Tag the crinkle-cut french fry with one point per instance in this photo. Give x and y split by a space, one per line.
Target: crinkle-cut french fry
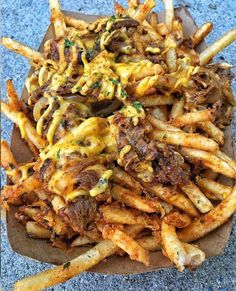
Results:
209 160
21 49
217 46
172 246
192 118
169 13
160 113
133 200
36 231
218 190
156 100
118 215
177 219
197 197
122 178
76 23
81 241
211 220
149 243
8 162
177 108
212 131
27 129
190 140
74 267
201 33
143 10
57 18
159 124
173 197
126 243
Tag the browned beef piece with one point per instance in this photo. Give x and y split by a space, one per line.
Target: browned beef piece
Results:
170 168
46 170
87 179
54 51
126 22
79 213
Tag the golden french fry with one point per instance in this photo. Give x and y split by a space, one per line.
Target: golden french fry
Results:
212 130
190 140
221 155
177 108
217 46
133 3
156 100
143 10
126 243
36 231
171 59
217 189
210 221
197 197
192 118
81 241
12 96
177 219
159 124
74 267
21 49
209 160
122 178
154 20
76 23
201 33
118 215
160 113
57 18
26 128
149 243
169 13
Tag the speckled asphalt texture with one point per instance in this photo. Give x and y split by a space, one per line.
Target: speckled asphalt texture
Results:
27 21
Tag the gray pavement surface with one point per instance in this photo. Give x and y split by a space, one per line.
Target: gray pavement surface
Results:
27 21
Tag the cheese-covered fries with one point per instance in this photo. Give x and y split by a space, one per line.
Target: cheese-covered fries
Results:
125 120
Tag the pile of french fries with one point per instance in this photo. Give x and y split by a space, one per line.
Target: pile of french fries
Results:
92 88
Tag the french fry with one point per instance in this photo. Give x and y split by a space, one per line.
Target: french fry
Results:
221 155
149 243
195 256
173 197
143 10
173 248
23 50
177 219
177 108
211 220
76 23
162 29
197 197
133 200
36 231
169 13
217 46
171 60
25 125
115 214
201 33
217 189
154 20
190 140
122 178
212 130
81 241
74 267
159 124
192 118
133 3
210 160
156 100
12 96
126 243
57 18
160 113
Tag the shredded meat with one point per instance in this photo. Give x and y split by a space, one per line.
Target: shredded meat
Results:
79 213
128 22
87 179
170 167
46 170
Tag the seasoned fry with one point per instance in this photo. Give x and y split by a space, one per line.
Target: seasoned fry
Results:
177 219
192 118
210 161
149 243
14 101
217 189
21 49
197 197
160 113
81 241
143 10
210 221
76 23
36 231
155 100
57 18
177 108
159 124
169 16
190 140
201 33
217 46
213 131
